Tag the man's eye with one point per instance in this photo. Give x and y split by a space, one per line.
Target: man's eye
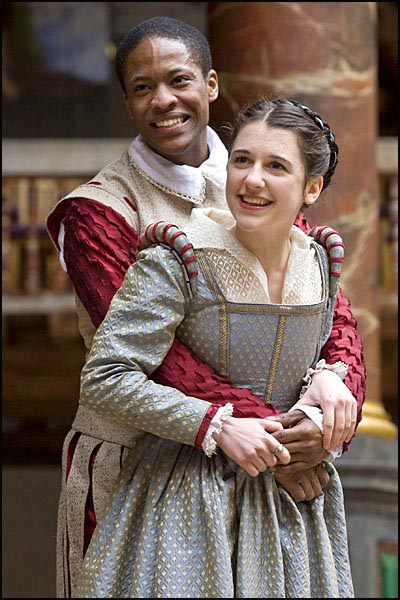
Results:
180 80
141 87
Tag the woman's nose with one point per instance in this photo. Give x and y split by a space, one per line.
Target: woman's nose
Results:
255 177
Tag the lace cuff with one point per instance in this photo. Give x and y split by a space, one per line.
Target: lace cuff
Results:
339 367
209 445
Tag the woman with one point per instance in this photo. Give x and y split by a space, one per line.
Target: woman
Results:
197 511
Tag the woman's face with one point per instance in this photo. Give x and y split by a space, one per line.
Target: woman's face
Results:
266 183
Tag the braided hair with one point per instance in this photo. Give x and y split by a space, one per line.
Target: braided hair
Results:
317 141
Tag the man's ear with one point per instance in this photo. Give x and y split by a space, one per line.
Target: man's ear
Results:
212 85
313 190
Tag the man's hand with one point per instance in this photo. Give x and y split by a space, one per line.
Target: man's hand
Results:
302 438
306 484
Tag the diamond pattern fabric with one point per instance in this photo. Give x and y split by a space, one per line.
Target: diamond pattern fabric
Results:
180 524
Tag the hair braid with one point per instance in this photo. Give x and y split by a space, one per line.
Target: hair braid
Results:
329 136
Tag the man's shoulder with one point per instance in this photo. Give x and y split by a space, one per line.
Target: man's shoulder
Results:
111 169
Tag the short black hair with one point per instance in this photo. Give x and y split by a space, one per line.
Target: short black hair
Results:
164 27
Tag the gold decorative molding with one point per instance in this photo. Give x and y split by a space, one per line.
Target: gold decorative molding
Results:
376 421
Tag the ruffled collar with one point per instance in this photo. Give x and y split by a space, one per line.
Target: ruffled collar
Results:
182 179
210 228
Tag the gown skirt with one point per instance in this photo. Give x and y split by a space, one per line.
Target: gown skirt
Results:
182 525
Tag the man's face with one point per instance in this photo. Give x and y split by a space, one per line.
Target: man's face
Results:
168 99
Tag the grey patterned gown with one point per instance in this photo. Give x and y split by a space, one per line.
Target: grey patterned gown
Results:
180 524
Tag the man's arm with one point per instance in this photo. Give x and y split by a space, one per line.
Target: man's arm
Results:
344 344
99 246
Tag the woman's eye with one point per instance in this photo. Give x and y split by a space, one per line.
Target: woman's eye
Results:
241 160
276 165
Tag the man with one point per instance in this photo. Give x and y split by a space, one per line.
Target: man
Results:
175 163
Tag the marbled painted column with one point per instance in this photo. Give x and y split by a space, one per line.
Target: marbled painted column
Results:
323 54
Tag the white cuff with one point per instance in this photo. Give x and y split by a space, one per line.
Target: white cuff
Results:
209 445
315 414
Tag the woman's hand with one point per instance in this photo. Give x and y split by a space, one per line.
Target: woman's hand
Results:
249 443
306 484
338 405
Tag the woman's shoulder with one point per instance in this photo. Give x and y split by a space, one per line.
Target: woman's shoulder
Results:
166 242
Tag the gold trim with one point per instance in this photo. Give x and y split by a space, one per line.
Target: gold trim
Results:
275 358
289 309
376 421
223 314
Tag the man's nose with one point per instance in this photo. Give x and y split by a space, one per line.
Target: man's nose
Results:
163 97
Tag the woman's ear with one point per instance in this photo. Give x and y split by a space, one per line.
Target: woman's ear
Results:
313 190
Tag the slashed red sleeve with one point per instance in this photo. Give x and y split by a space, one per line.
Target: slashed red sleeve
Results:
183 371
99 246
344 343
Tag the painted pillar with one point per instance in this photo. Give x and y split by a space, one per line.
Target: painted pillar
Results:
324 54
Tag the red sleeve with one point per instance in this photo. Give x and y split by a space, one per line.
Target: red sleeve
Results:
99 246
183 371
302 223
344 343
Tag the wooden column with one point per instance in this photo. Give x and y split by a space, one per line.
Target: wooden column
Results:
324 55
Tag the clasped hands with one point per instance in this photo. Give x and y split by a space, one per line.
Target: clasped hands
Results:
305 476
299 469
252 444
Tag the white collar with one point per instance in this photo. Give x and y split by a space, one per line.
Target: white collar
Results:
182 179
210 228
